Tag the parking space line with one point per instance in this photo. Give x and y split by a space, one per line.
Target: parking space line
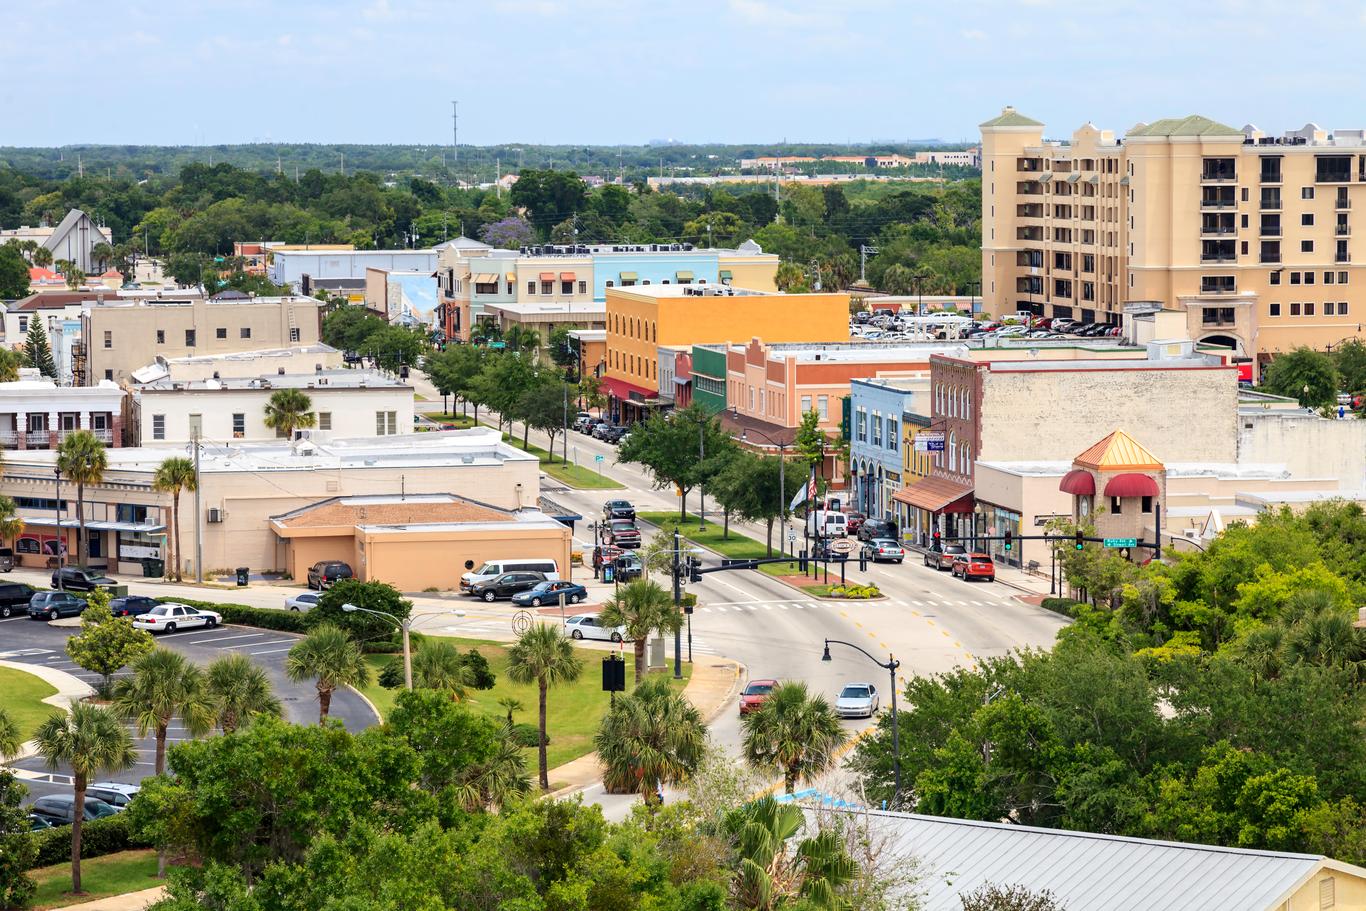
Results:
226 638
188 632
19 617
273 651
258 644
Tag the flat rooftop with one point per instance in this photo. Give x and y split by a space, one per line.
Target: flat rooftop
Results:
258 354
320 379
1028 366
583 308
701 291
861 352
191 300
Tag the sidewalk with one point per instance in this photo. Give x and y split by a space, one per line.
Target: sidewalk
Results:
129 901
70 689
713 684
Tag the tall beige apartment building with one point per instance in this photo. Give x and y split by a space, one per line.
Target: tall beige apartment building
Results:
1250 236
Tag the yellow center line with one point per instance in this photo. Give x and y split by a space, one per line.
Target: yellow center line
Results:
859 625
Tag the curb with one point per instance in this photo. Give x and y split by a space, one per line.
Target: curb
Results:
70 688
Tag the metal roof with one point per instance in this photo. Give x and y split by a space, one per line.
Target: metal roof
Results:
1091 872
1009 117
1194 125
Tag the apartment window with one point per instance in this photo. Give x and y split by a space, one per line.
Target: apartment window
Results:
1274 310
1309 278
1274 278
1115 506
860 426
161 336
1271 171
196 426
1342 308
1306 192
1342 255
220 332
823 406
547 287
1088 291
324 420
1307 219
1243 219
567 287
386 423
1342 278
1309 309
158 426
1306 246
1147 504
294 334
1294 278
1328 278
108 339
1271 251
876 422
1271 198
1088 262
244 332
239 425
23 324
109 374
1328 308
1244 195
512 287
1243 247
1271 226
530 287
892 436
806 404
609 283
1217 284
583 287
189 338
1219 169
1294 309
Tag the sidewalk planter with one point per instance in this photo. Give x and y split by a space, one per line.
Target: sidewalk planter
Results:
854 592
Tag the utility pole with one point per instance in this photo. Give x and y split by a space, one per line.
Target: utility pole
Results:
863 251
678 605
198 518
455 133
343 164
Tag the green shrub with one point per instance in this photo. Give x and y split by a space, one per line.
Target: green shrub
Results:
527 735
1065 606
261 617
98 837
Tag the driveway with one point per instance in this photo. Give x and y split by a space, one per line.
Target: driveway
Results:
36 642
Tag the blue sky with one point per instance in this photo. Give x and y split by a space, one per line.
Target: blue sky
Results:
613 71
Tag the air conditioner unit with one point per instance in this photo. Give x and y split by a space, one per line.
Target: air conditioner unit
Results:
215 515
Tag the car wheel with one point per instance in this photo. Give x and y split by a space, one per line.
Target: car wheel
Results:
53 614
170 627
294 607
577 634
6 610
210 622
898 562
535 602
575 599
616 637
489 596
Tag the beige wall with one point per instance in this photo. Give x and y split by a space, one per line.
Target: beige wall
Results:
1309 448
1349 892
1180 415
754 272
350 412
415 560
133 331
295 360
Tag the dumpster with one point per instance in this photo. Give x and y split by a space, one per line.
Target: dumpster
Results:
153 567
243 573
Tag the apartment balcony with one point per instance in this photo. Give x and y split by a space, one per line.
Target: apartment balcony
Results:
1216 179
1218 203
1342 204
1269 232
1343 258
1343 231
1218 258
1218 231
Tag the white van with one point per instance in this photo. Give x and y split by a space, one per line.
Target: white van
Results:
827 523
494 568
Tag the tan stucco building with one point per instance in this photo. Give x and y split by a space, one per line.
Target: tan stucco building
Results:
1249 235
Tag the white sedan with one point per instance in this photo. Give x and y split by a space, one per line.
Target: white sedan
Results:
586 626
303 601
857 700
167 618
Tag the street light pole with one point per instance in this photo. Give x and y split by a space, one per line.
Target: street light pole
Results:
61 583
678 606
701 487
404 625
890 665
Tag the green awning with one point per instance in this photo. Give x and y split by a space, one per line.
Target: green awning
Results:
683 276
628 276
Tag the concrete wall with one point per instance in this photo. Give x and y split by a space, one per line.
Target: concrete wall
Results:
1308 447
1180 415
415 560
247 364
349 412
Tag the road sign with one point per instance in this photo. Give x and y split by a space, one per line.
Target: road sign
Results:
599 458
842 546
929 441
521 621
1121 542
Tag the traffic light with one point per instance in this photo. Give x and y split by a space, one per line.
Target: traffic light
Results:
935 537
694 569
1010 540
1081 540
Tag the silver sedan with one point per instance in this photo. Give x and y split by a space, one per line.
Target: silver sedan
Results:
857 700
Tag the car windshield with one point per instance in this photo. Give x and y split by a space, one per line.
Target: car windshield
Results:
884 542
544 586
623 525
487 569
954 549
854 691
980 558
758 689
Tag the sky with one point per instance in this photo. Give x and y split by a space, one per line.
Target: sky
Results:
594 72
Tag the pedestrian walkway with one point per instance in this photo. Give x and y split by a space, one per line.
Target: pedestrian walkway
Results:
129 901
713 685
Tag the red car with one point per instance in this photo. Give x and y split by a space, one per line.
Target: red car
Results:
754 695
974 566
853 521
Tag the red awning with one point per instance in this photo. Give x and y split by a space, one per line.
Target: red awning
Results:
547 276
566 276
1131 485
624 391
937 495
1079 482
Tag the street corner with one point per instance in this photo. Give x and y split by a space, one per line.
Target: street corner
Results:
714 685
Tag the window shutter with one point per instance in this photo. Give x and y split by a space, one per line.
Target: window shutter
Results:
1327 893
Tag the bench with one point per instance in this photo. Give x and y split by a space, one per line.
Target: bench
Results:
1032 566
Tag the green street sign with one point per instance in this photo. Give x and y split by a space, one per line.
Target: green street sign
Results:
1121 542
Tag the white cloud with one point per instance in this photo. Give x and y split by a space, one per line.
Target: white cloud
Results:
774 15
974 34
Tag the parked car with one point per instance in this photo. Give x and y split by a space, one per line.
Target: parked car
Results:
115 793
590 425
857 700
853 521
621 533
506 585
132 605
496 567
549 592
618 509
303 602
942 558
974 566
885 550
628 566
586 626
876 528
754 694
616 434
38 823
53 605
169 617
580 419
326 573
79 579
600 431
14 598
59 809
6 559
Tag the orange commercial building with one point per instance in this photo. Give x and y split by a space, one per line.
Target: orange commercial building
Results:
642 319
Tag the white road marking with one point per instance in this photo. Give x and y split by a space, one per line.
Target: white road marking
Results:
273 651
258 644
226 638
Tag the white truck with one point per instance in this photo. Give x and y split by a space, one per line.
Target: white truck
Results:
827 523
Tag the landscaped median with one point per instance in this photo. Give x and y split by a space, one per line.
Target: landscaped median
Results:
573 475
736 546
22 695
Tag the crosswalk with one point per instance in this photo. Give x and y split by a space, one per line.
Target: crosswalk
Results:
721 607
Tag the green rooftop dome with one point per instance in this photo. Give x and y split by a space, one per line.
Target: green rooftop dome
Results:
1194 125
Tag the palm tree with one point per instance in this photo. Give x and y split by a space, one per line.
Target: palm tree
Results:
172 476
794 733
331 659
770 876
82 458
287 411
650 738
42 257
10 522
498 779
239 690
11 739
542 655
90 740
512 705
1326 638
165 685
438 665
642 607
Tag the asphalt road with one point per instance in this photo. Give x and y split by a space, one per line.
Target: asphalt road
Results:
37 642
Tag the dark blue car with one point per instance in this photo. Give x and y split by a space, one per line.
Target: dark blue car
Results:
549 592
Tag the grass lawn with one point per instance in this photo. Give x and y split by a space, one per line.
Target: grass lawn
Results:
101 877
22 695
453 421
571 474
575 711
740 547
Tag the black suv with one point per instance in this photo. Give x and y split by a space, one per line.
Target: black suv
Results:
326 573
53 605
877 528
132 605
618 509
507 585
80 579
14 598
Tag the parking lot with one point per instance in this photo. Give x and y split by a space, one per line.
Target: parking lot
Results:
35 642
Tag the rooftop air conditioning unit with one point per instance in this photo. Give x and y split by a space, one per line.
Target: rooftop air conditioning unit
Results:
215 515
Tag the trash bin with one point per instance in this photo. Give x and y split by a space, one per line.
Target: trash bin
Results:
153 567
242 574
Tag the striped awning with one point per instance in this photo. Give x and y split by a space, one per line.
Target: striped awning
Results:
628 276
486 278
